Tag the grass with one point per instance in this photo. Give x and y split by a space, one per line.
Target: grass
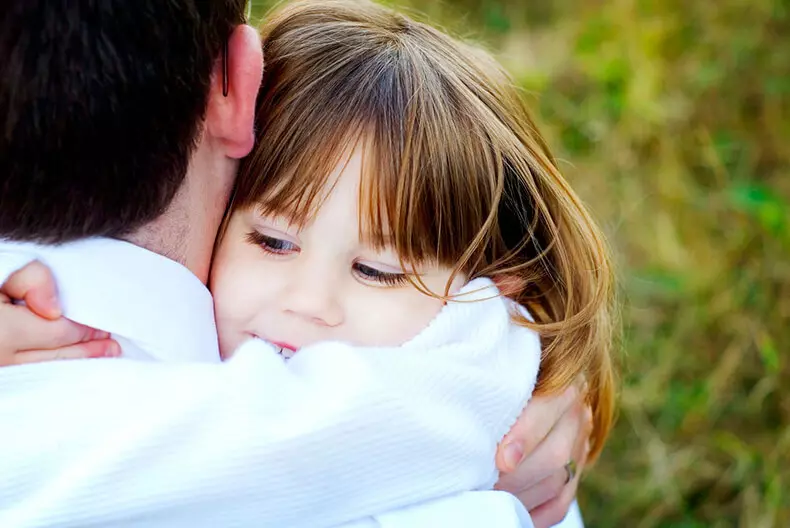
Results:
674 119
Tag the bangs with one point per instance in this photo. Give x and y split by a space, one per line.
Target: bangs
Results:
434 164
298 187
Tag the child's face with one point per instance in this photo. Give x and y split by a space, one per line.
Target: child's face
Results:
296 287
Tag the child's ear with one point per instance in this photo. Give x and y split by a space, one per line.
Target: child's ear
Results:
510 284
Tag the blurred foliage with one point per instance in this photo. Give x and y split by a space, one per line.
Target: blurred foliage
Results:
674 119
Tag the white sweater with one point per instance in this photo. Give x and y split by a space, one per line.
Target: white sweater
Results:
337 434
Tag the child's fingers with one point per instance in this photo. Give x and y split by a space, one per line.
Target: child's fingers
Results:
21 329
89 349
36 286
60 333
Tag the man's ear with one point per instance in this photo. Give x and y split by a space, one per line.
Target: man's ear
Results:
230 118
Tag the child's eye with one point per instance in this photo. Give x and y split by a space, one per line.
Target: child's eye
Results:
383 277
271 244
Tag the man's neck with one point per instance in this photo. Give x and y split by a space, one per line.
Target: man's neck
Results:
187 230
179 237
159 240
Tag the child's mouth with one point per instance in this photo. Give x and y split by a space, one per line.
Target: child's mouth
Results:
286 353
284 349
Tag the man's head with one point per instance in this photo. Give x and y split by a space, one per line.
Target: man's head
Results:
113 121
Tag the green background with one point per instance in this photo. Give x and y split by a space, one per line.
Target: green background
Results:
672 120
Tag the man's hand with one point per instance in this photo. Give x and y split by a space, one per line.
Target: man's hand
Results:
35 331
551 432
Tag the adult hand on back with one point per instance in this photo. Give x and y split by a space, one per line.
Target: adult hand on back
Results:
542 457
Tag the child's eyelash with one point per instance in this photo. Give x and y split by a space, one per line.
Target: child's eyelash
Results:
276 246
383 277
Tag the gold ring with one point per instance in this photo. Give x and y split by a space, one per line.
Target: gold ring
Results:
570 471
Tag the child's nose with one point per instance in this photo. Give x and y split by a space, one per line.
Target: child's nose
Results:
314 297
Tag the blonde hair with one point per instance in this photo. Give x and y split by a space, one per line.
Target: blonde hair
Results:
455 171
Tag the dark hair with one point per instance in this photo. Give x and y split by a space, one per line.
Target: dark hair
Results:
100 107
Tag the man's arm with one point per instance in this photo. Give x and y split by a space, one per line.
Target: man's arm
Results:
113 441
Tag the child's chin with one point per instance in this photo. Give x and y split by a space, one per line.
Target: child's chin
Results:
227 347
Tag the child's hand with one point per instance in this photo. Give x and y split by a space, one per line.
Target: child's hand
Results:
533 459
35 331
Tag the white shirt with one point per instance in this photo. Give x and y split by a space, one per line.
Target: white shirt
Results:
328 438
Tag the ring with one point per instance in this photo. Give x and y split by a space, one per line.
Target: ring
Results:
570 471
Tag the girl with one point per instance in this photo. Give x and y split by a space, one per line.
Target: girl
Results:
396 174
417 149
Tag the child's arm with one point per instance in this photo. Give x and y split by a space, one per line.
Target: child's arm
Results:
332 436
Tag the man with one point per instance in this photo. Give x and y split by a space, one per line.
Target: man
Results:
126 121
